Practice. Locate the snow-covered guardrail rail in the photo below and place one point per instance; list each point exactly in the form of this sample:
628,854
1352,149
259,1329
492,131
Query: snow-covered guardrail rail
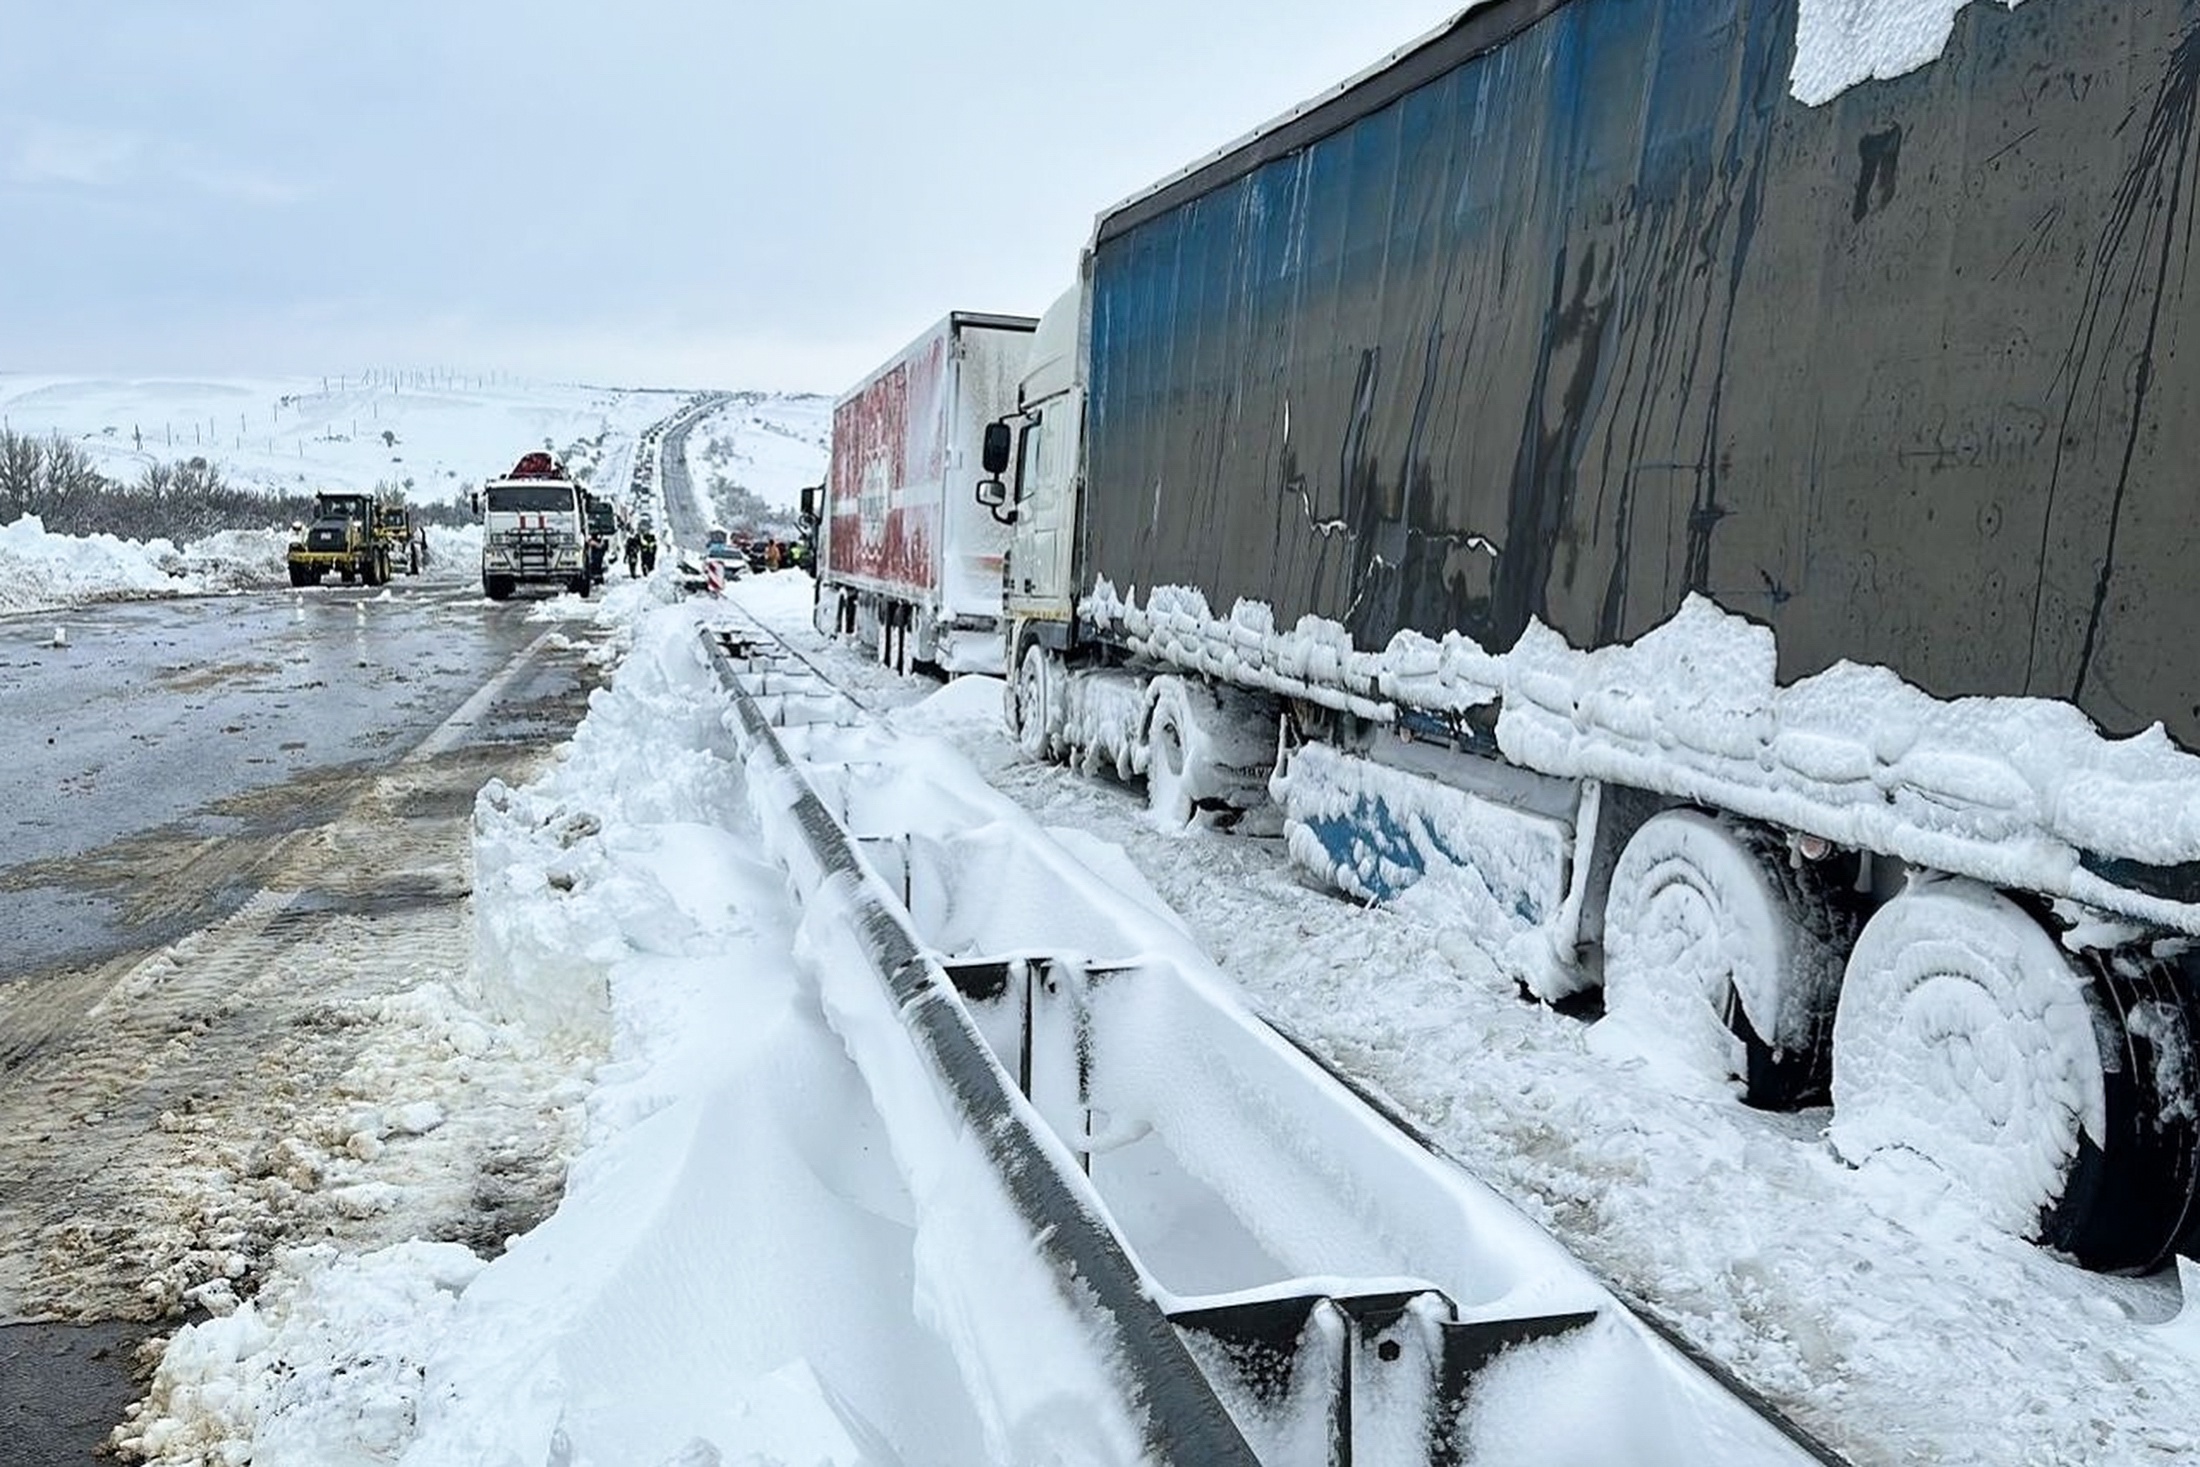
1151,1227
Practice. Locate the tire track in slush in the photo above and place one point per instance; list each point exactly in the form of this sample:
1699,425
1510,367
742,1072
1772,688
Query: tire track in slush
168,1120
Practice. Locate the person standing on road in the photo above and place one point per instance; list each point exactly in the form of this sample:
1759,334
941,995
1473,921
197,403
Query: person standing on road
633,554
649,551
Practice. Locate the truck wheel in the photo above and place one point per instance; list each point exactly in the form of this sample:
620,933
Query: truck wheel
300,576
496,588
412,560
1208,753
1169,737
578,586
347,574
1038,712
1725,955
2052,1089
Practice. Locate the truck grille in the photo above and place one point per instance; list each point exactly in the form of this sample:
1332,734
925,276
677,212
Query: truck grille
531,550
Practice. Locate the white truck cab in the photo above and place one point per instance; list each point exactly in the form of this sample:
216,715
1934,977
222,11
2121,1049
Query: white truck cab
1037,449
534,530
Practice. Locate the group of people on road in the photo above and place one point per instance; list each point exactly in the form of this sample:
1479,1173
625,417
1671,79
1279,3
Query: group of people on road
641,554
785,554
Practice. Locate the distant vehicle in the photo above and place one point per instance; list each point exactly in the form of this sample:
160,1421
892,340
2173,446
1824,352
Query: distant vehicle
729,559
345,535
534,529
603,528
402,542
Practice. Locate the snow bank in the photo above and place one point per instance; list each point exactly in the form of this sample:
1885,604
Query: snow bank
41,571
728,1276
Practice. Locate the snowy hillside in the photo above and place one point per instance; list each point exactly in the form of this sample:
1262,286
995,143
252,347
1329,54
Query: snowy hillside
432,431
444,435
770,445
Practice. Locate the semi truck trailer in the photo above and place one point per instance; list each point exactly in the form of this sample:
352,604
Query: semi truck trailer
1705,498
904,563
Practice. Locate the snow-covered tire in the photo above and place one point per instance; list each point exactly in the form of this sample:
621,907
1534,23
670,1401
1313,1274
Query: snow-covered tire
1207,753
1037,712
1726,954
2055,1091
1171,789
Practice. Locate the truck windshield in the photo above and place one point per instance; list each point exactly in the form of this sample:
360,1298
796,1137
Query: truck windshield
530,499
339,508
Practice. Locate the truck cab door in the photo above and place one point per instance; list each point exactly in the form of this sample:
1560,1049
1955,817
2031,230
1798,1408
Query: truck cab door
1042,575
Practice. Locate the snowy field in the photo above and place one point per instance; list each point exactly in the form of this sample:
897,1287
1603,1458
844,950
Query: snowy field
439,432
771,446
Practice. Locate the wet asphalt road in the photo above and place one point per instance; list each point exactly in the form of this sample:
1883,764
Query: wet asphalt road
231,718
164,761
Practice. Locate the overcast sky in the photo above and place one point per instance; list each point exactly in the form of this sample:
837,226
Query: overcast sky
717,192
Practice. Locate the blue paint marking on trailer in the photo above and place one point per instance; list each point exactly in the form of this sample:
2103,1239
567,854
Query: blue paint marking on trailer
1376,852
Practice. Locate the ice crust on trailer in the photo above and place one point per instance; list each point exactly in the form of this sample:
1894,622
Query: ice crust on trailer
2010,790
1842,43
1314,659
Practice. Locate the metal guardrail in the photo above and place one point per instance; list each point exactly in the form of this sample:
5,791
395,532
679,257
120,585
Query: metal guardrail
1301,1360
1183,1421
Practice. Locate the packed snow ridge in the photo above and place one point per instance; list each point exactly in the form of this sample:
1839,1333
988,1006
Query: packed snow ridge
2010,790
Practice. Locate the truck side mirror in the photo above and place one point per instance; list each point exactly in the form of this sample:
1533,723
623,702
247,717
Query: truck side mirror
474,499
995,457
993,494
813,507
